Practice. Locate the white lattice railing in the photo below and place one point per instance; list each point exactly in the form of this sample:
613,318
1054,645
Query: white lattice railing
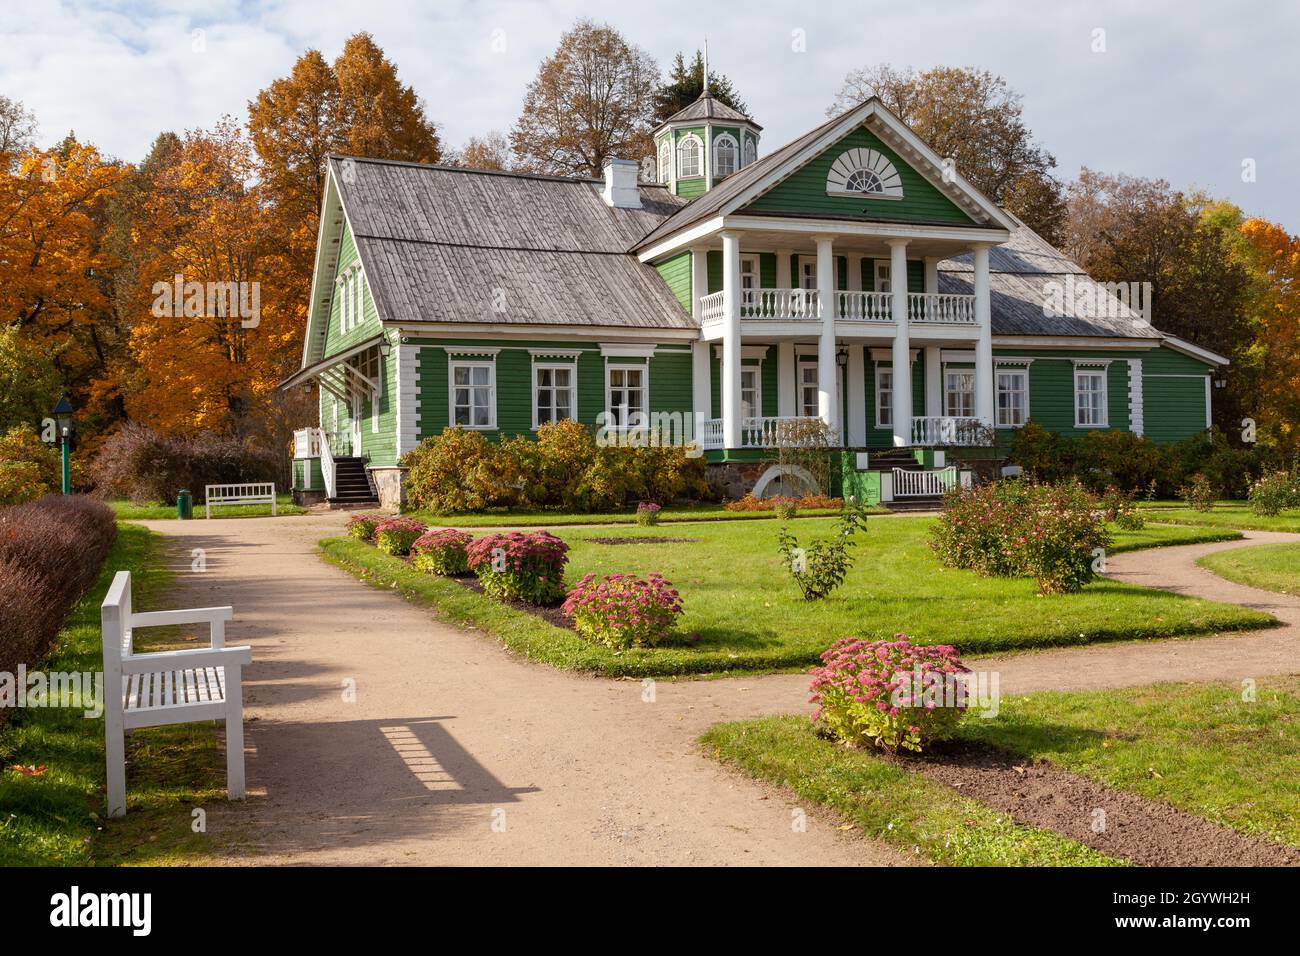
769,431
948,430
924,484
864,306
940,308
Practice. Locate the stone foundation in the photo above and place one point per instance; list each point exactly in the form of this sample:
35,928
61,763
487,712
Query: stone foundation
389,485
306,499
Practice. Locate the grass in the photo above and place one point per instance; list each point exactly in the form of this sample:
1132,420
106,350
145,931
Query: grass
130,511
1224,514
556,519
1273,567
887,802
743,612
1199,747
56,818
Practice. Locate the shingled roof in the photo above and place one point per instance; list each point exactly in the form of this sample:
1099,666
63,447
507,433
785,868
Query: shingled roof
707,107
446,244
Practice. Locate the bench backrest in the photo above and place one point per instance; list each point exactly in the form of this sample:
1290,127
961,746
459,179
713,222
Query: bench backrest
258,489
115,630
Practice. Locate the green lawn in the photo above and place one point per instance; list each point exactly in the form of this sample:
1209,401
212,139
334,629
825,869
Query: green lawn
1199,747
56,818
1224,514
743,613
130,511
557,519
887,802
1273,567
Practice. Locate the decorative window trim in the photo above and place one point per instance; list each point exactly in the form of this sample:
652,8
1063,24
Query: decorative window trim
1011,368
468,351
854,166
1092,369
690,139
949,391
555,353
644,369
881,368
751,152
806,410
879,282
491,365
720,142
757,370
666,159
572,368
625,350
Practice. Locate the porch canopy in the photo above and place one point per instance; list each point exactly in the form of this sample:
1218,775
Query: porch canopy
337,375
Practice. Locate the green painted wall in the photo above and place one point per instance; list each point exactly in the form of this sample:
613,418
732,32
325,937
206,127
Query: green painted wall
804,193
335,339
884,437
1173,395
676,273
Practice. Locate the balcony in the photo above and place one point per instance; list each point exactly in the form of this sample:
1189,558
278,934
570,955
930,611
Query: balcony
933,431
770,431
874,308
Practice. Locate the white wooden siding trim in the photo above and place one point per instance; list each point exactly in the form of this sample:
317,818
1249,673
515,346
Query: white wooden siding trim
1136,412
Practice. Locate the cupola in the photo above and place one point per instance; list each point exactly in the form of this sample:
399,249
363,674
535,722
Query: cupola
699,146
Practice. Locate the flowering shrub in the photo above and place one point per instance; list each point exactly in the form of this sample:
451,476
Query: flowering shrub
820,568
441,552
1050,533
362,527
1198,492
809,502
1271,493
889,694
647,513
786,508
1119,508
521,566
623,610
396,535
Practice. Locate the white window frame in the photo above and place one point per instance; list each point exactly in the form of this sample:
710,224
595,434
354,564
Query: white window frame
725,141
998,372
1092,371
457,363
881,391
949,392
572,369
666,159
881,276
807,273
751,151
757,405
690,139
806,409
644,388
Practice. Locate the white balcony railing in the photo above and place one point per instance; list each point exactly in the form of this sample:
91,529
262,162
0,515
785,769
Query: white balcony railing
711,308
934,430
940,308
769,431
765,304
864,306
306,443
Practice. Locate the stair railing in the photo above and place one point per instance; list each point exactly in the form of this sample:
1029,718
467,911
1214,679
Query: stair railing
326,464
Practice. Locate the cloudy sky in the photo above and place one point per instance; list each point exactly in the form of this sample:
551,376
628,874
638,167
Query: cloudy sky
1188,91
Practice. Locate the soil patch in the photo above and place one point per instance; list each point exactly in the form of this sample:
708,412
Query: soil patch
628,539
551,615
1131,827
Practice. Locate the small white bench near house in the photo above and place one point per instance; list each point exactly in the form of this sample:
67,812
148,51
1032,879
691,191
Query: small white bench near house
168,687
253,493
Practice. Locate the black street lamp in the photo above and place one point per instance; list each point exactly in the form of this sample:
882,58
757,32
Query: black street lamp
63,420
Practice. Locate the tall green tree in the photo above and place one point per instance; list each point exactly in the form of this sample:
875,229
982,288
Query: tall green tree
685,84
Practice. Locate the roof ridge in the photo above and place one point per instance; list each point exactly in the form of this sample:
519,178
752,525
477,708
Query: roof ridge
447,168
482,245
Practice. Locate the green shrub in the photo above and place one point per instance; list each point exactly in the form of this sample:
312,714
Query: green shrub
396,535
889,694
458,470
821,567
623,610
786,508
520,566
1273,492
29,467
1120,509
1198,492
442,552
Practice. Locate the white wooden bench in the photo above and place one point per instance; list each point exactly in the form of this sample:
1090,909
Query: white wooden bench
168,687
253,493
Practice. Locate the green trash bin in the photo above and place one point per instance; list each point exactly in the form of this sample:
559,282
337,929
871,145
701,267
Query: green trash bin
184,505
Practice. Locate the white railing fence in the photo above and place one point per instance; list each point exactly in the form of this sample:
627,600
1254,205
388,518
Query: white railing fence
941,308
949,430
326,464
779,304
306,443
864,306
711,308
924,484
711,437
770,431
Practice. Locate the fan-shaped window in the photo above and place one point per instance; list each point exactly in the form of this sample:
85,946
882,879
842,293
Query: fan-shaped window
688,157
864,172
751,151
725,154
665,160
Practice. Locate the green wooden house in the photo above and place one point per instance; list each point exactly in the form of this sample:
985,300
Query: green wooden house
848,278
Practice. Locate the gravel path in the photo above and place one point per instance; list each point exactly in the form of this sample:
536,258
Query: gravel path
455,752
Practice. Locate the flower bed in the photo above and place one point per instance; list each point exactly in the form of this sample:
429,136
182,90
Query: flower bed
889,694
807,502
520,566
396,535
362,526
442,552
623,610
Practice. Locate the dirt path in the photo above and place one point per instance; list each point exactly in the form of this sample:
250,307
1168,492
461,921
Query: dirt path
449,735
450,738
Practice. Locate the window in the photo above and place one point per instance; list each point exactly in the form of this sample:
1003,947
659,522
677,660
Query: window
959,394
688,157
1090,398
751,392
627,395
864,172
884,397
356,310
342,290
809,393
666,160
1013,397
555,394
725,155
807,274
473,394
882,277
751,151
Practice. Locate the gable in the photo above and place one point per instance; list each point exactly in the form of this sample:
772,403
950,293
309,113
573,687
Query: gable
814,188
364,322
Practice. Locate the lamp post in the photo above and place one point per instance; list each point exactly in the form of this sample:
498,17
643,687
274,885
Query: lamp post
63,419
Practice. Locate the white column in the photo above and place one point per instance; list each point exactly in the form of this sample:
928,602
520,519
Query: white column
855,390
931,274
984,344
902,359
827,395
783,268
787,387
855,273
731,424
933,381
699,280
701,386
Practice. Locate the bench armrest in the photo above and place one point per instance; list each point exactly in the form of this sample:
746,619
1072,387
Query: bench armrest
192,615
181,660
